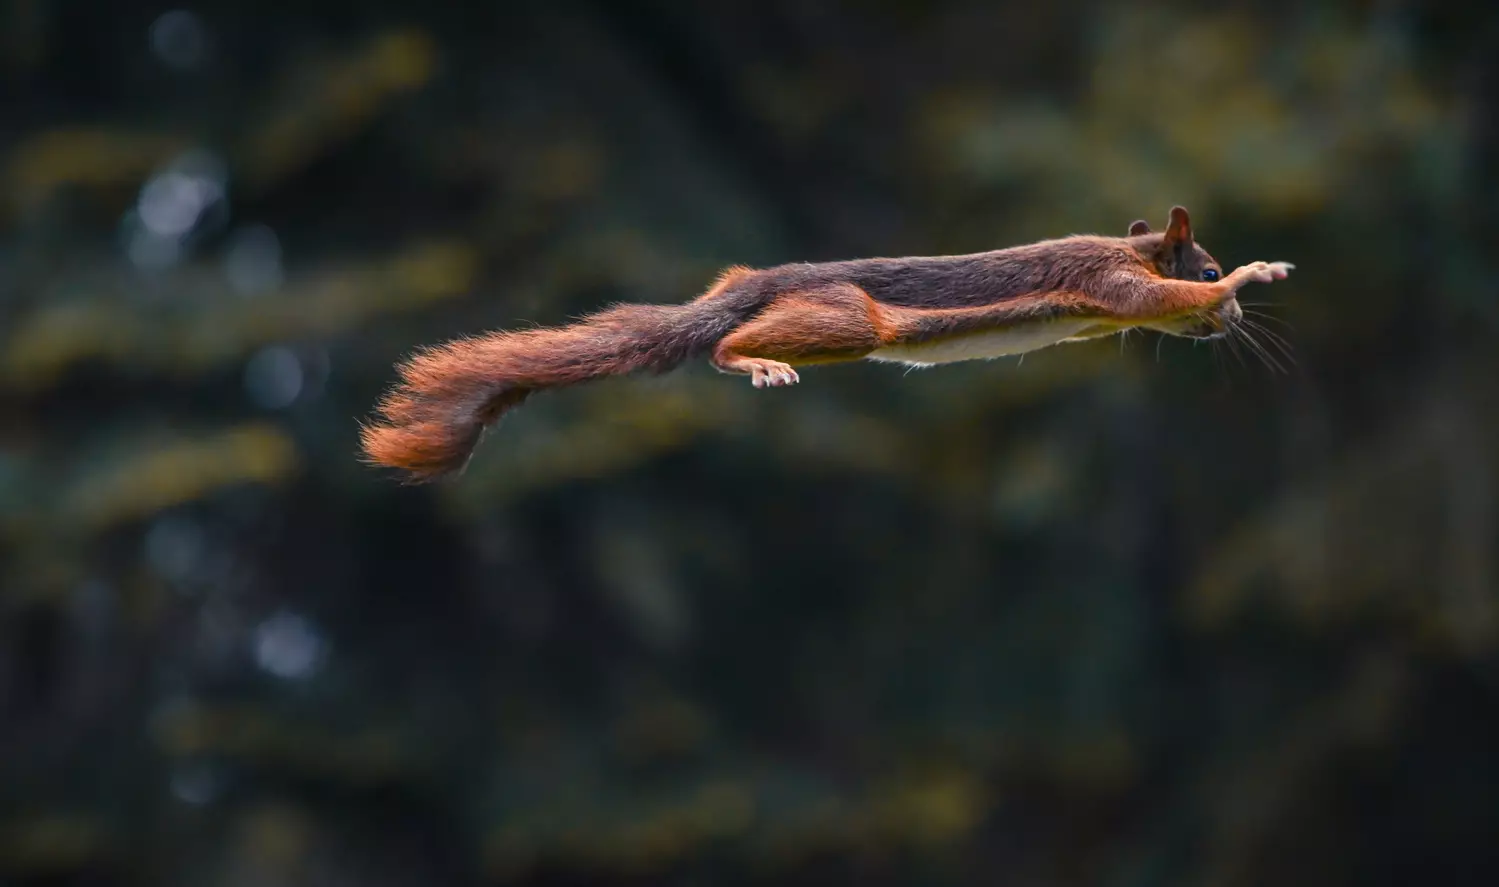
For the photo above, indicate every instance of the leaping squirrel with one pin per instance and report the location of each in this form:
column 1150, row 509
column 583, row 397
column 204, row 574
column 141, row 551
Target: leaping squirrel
column 919, row 311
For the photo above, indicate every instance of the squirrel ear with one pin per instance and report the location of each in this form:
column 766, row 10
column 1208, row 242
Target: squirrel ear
column 1179, row 229
column 1138, row 227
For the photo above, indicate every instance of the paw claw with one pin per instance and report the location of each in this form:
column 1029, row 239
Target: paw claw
column 772, row 374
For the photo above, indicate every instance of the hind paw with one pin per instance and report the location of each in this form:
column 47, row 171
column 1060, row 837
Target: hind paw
column 772, row 374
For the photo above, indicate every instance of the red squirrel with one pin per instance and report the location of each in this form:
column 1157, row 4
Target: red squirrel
column 919, row 311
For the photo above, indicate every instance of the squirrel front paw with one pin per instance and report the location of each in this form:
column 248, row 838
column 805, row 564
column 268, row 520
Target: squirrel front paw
column 1261, row 272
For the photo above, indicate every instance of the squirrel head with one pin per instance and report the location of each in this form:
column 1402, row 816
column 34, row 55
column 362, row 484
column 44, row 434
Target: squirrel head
column 1175, row 253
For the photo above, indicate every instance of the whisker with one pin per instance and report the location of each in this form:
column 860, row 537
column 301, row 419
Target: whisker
column 1267, row 316
column 1258, row 318
column 1233, row 348
column 1274, row 337
column 1220, row 365
column 1275, row 340
column 1264, row 354
column 1241, row 334
column 1227, row 346
column 1243, row 346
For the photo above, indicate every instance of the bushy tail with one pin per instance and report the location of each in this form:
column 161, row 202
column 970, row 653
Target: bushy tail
column 431, row 421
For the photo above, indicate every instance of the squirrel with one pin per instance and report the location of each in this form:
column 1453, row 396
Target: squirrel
column 919, row 311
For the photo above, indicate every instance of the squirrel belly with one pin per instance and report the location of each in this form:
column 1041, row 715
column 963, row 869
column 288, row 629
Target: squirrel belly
column 1019, row 339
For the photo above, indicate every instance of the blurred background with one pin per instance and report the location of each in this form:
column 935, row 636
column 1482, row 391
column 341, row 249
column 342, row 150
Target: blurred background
column 1123, row 613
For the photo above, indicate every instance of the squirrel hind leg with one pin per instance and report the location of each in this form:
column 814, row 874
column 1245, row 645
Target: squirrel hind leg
column 831, row 324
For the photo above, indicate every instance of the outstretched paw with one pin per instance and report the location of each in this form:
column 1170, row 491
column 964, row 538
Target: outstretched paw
column 1279, row 270
column 772, row 374
column 1264, row 272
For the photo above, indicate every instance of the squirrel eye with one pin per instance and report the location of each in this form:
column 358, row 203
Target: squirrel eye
column 1210, row 274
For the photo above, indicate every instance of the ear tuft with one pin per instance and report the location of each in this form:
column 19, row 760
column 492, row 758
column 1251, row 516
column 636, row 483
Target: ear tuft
column 1179, row 228
column 1138, row 227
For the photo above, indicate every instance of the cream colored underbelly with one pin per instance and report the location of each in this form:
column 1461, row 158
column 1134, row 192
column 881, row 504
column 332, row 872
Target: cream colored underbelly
column 984, row 346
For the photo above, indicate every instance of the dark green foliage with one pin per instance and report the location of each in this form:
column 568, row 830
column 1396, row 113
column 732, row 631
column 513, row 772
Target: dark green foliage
column 1124, row 613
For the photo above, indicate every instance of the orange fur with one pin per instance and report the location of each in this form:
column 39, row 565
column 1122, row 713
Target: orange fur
column 762, row 322
column 835, row 324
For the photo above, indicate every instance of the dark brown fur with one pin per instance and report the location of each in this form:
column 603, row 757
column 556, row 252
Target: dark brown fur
column 762, row 322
